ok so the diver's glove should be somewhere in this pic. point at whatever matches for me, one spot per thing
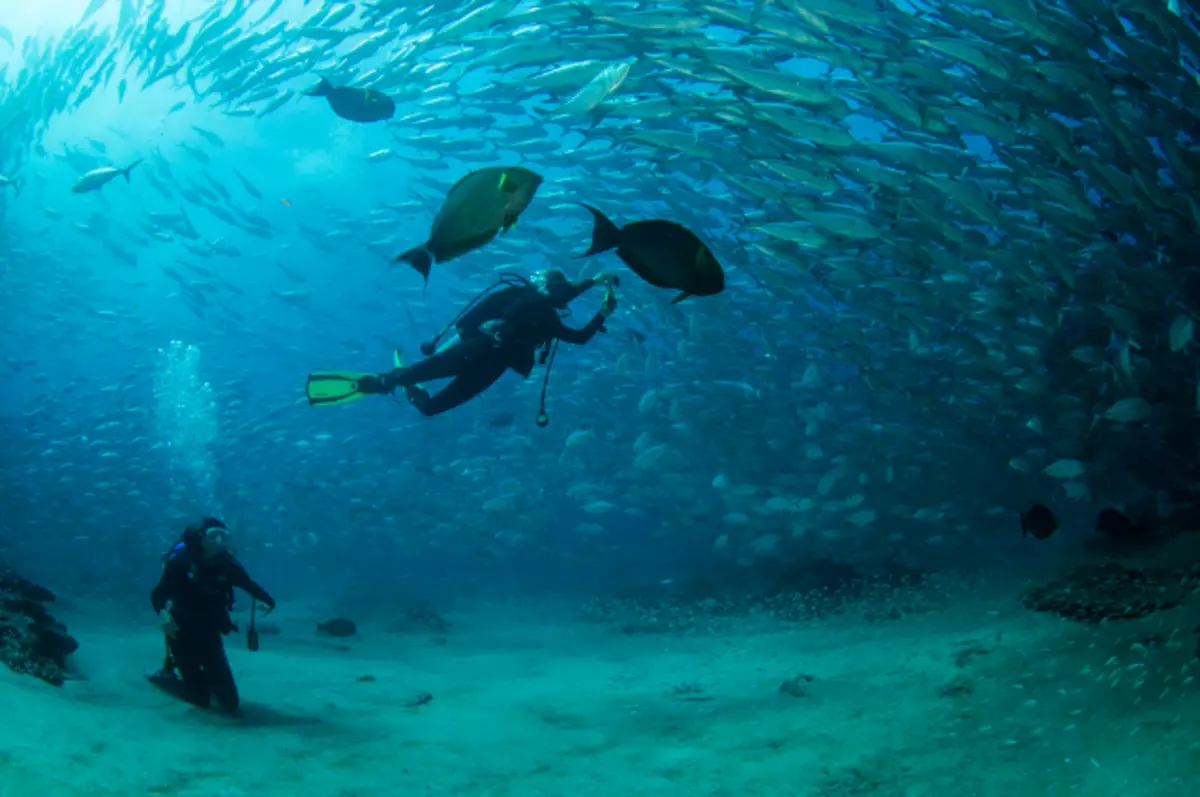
(372, 385)
(266, 608)
(611, 280)
(610, 303)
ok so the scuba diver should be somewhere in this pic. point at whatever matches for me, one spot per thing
(193, 599)
(502, 328)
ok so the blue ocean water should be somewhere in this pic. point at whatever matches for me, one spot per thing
(772, 540)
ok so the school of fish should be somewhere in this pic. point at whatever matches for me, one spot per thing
(957, 242)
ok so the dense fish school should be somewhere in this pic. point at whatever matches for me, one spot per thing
(957, 240)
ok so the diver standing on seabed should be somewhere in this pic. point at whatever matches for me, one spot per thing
(193, 599)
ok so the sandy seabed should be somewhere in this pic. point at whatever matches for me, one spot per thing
(966, 701)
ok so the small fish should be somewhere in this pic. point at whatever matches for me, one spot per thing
(209, 136)
(477, 207)
(1181, 333)
(251, 189)
(92, 8)
(355, 105)
(98, 178)
(338, 627)
(1130, 410)
(296, 277)
(502, 419)
(1064, 469)
(663, 253)
(1039, 522)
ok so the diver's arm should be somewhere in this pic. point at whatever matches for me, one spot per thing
(575, 291)
(578, 337)
(239, 578)
(163, 590)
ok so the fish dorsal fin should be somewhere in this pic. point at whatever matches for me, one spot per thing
(462, 181)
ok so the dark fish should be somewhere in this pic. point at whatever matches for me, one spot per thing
(502, 419)
(1039, 521)
(477, 207)
(339, 627)
(1117, 526)
(663, 253)
(356, 105)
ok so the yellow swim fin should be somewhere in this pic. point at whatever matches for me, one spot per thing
(397, 359)
(503, 181)
(333, 387)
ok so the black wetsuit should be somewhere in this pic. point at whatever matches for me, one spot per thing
(200, 590)
(504, 330)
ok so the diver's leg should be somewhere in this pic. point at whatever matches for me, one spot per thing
(186, 650)
(442, 365)
(220, 676)
(167, 671)
(477, 377)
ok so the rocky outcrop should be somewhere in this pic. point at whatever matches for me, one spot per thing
(31, 641)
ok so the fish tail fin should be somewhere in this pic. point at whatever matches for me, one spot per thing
(129, 168)
(605, 234)
(322, 89)
(419, 258)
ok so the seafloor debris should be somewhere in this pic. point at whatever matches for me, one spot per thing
(419, 699)
(791, 592)
(421, 616)
(31, 641)
(955, 688)
(797, 687)
(1095, 593)
(687, 688)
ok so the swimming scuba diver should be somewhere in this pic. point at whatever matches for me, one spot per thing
(502, 328)
(193, 599)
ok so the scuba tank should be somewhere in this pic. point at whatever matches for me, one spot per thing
(507, 280)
